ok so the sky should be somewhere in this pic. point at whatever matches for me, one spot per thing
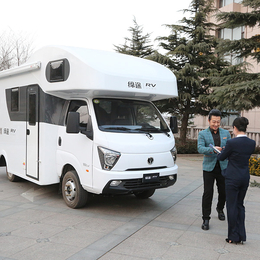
(94, 24)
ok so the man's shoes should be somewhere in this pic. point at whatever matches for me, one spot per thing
(205, 224)
(221, 215)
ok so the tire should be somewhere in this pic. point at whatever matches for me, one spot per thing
(73, 193)
(11, 177)
(144, 194)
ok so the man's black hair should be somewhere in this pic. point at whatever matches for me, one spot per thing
(214, 112)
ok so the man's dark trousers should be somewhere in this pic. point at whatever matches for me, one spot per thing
(209, 179)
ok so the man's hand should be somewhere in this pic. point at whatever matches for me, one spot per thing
(219, 148)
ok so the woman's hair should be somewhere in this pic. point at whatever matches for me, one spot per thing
(241, 123)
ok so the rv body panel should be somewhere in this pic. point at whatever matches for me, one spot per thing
(76, 150)
(101, 73)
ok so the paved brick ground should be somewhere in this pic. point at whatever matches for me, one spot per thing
(35, 223)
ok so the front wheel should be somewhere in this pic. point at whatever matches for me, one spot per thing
(11, 177)
(144, 194)
(73, 193)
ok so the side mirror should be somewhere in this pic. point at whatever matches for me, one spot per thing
(73, 123)
(174, 124)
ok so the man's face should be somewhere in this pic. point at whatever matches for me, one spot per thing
(214, 122)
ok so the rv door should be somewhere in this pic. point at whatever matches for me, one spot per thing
(32, 132)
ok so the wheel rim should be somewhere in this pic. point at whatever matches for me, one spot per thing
(70, 190)
(10, 175)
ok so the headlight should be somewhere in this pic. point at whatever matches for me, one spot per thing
(174, 153)
(108, 158)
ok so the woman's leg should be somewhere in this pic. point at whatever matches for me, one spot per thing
(232, 191)
(241, 210)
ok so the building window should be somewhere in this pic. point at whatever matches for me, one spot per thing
(227, 2)
(228, 120)
(232, 34)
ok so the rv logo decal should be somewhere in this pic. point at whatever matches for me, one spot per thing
(133, 84)
(7, 131)
(150, 85)
(136, 84)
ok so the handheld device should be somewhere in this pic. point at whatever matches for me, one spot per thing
(214, 148)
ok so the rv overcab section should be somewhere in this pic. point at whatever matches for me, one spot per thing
(85, 119)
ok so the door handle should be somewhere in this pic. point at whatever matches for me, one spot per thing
(28, 131)
(59, 141)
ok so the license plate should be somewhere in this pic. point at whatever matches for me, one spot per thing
(151, 177)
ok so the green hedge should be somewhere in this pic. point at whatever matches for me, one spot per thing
(190, 147)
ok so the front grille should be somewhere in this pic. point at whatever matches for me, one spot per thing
(133, 184)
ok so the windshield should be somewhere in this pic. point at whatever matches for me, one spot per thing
(119, 115)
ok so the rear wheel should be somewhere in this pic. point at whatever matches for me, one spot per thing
(73, 193)
(144, 194)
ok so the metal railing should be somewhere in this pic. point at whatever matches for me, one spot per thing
(192, 133)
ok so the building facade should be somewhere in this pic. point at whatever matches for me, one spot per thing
(235, 34)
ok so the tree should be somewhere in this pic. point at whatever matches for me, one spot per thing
(14, 50)
(138, 45)
(190, 55)
(240, 91)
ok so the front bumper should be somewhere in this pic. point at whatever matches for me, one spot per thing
(129, 186)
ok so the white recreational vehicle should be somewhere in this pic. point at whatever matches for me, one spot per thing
(84, 119)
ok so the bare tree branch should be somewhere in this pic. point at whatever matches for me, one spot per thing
(15, 49)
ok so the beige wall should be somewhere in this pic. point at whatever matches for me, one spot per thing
(254, 119)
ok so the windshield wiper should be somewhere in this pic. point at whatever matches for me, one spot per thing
(126, 129)
(164, 131)
(149, 130)
(118, 128)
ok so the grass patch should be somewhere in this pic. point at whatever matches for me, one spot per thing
(255, 184)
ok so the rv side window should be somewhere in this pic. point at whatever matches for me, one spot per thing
(32, 109)
(82, 108)
(57, 70)
(15, 99)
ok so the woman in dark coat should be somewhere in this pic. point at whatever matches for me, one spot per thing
(238, 151)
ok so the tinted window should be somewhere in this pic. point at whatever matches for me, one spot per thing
(57, 70)
(15, 99)
(32, 109)
(82, 108)
(128, 116)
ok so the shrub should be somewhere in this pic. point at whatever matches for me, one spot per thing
(254, 166)
(190, 147)
(255, 184)
(257, 150)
